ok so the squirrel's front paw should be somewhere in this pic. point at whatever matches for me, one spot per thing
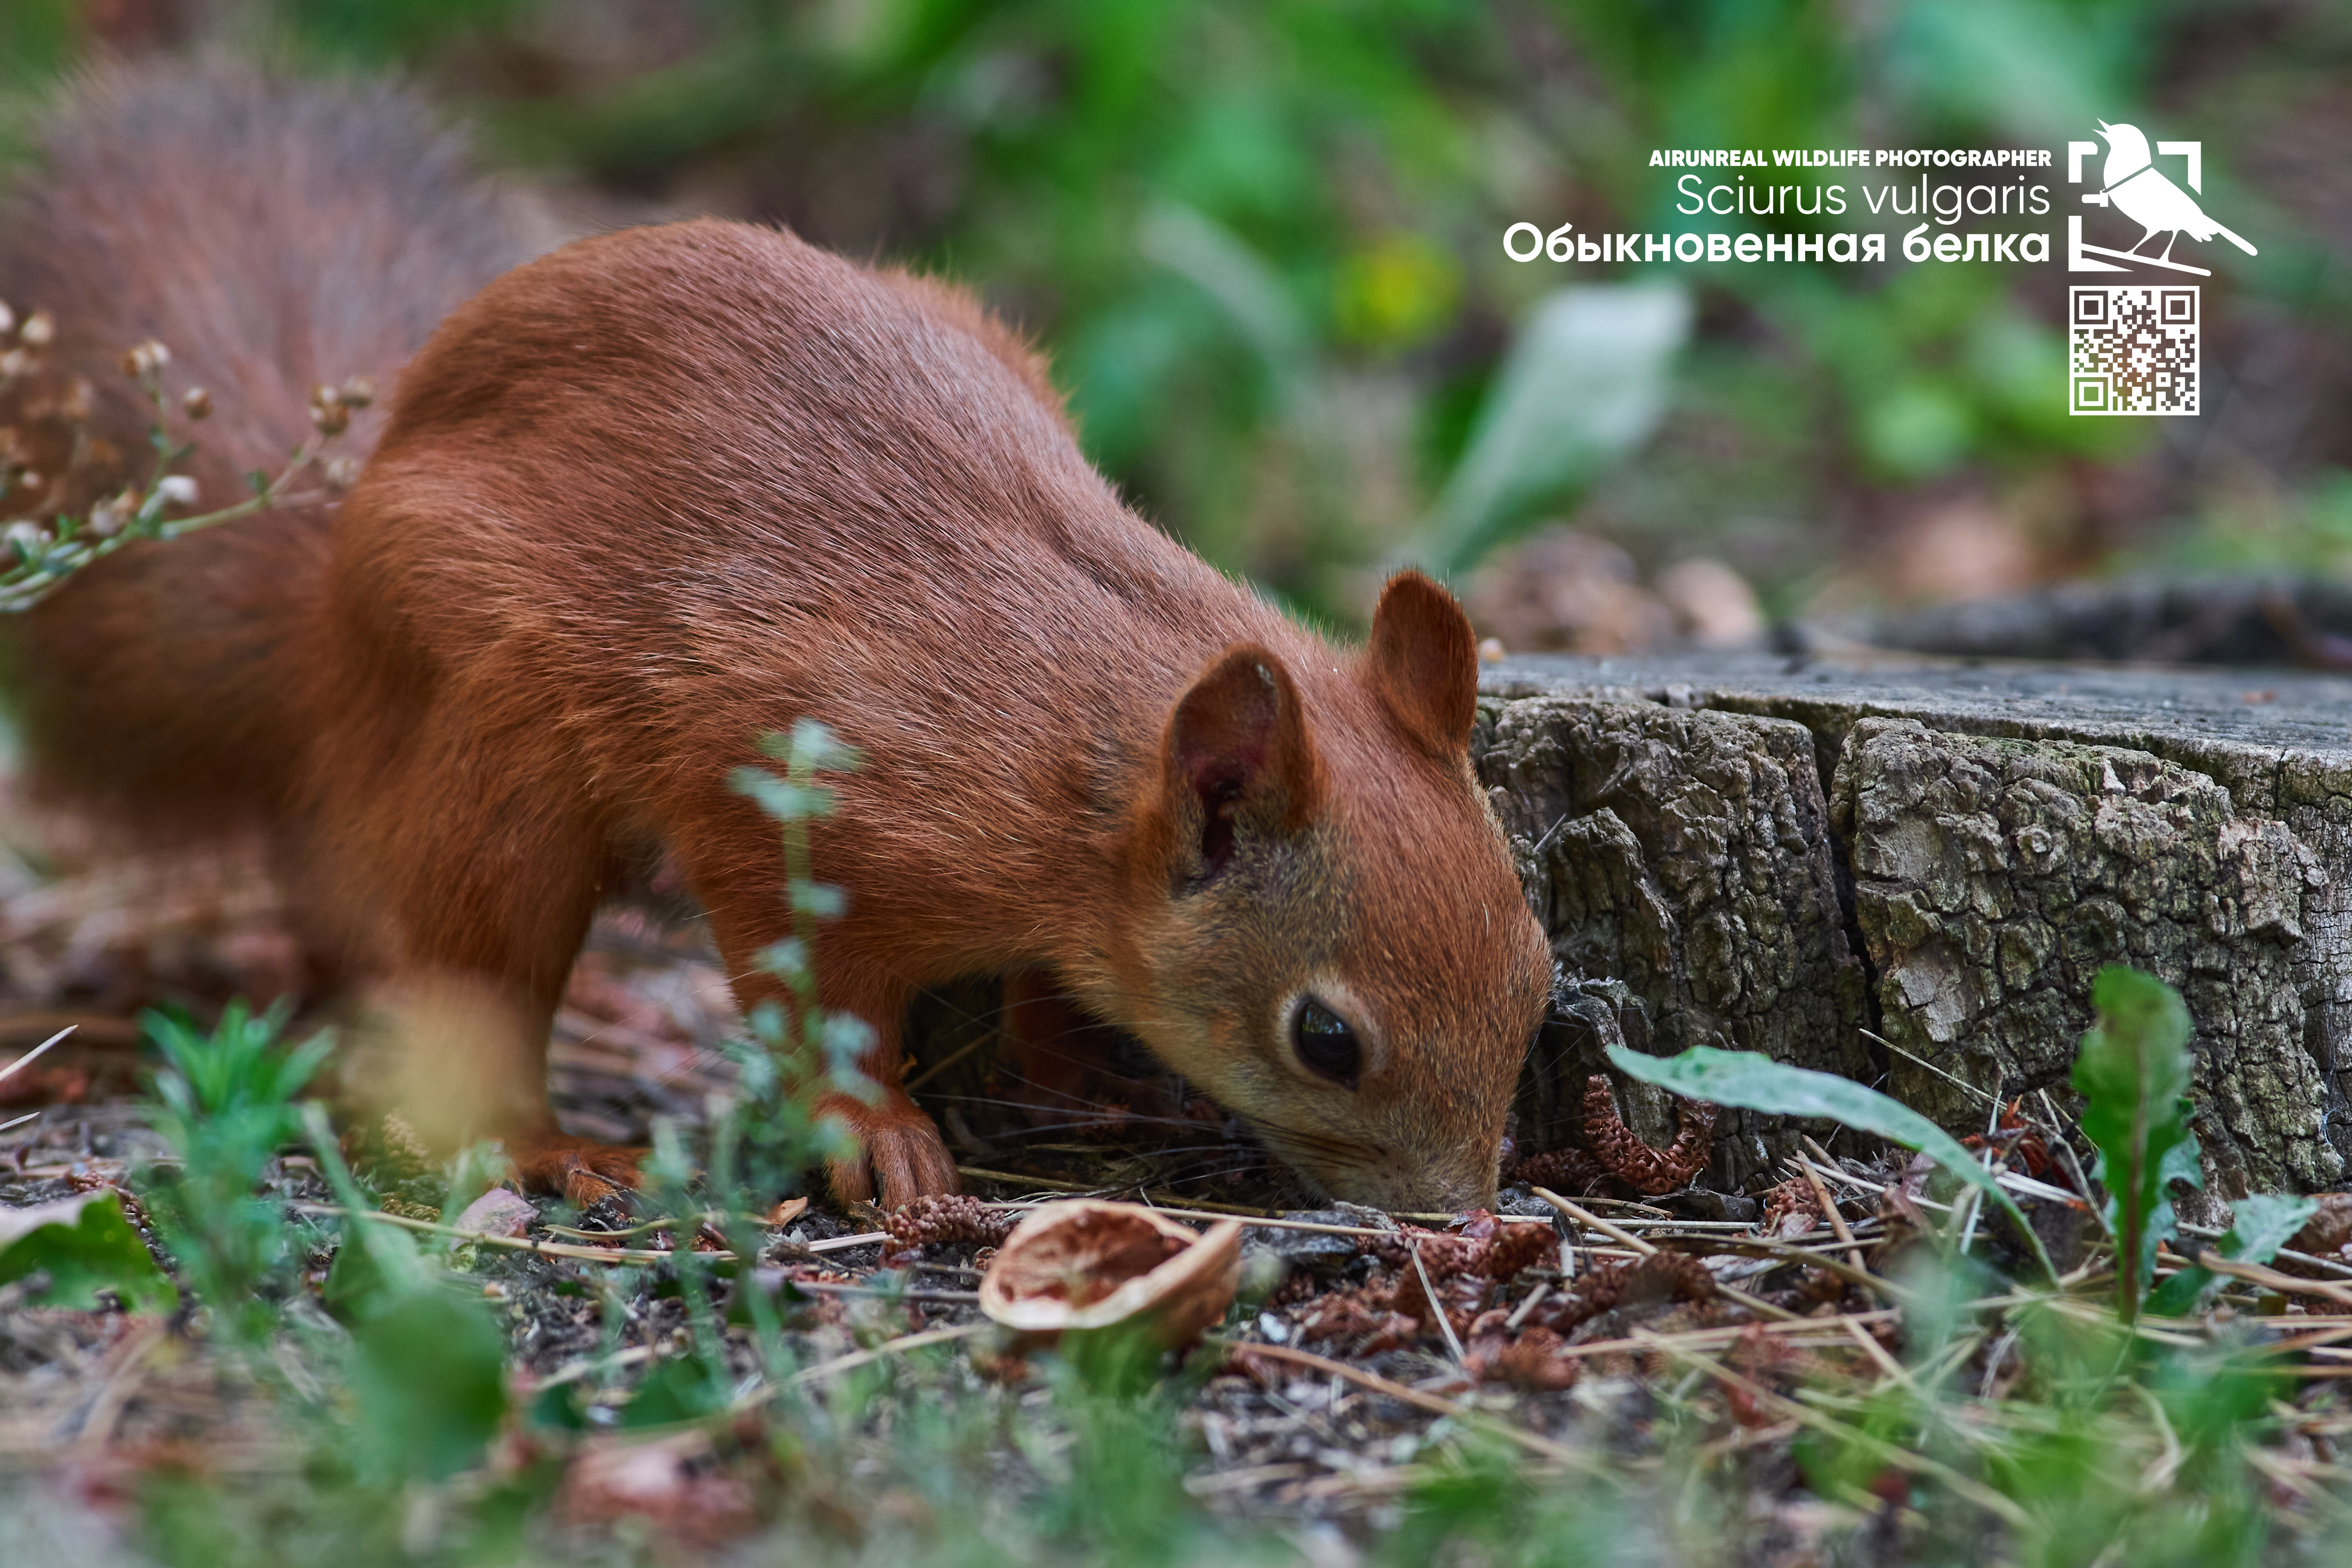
(902, 1153)
(582, 1170)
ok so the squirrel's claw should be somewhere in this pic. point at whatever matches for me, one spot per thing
(584, 1171)
(902, 1153)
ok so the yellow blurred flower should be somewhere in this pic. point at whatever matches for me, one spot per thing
(1395, 292)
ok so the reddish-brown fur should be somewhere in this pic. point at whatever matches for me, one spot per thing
(652, 495)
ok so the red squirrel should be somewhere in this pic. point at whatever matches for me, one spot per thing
(658, 492)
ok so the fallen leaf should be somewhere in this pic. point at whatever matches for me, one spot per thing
(499, 1212)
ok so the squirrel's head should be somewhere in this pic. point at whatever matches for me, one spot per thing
(1331, 940)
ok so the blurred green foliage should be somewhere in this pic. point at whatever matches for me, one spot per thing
(227, 1102)
(1263, 236)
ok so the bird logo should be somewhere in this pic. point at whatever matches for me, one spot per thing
(2133, 186)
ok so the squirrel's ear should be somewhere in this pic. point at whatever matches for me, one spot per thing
(1237, 755)
(1425, 662)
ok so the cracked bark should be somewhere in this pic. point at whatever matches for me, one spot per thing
(1738, 852)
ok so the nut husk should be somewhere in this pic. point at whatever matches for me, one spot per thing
(1085, 1264)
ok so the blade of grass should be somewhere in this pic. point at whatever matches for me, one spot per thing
(1886, 1453)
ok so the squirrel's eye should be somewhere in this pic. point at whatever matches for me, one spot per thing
(1325, 1044)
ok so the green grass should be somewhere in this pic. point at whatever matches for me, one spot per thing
(358, 1404)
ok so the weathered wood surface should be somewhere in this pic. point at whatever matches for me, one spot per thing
(1774, 854)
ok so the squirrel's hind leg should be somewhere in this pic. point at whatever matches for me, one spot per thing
(464, 908)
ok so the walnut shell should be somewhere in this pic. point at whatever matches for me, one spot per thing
(1085, 1264)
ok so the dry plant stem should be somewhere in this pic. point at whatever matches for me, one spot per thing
(1878, 1188)
(1741, 1439)
(1626, 1238)
(1828, 1328)
(2272, 1279)
(716, 1218)
(2336, 1265)
(2318, 1340)
(1993, 1358)
(1312, 1226)
(1259, 1218)
(1096, 1189)
(1543, 1289)
(2284, 1473)
(1176, 1208)
(27, 1059)
(1592, 1221)
(1246, 1478)
(1993, 1100)
(1829, 1204)
(840, 1363)
(2065, 1150)
(1437, 1308)
(1994, 1168)
(558, 1250)
(2158, 1474)
(592, 1365)
(1758, 1245)
(1887, 1453)
(1431, 1403)
(776, 1279)
(1877, 1354)
(2104, 1317)
(1357, 1483)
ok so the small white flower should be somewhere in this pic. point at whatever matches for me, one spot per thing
(107, 518)
(179, 489)
(24, 537)
(140, 359)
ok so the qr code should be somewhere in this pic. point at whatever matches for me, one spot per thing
(2132, 351)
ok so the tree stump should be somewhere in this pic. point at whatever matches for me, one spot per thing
(1908, 871)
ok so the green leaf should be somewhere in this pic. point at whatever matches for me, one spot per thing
(378, 1263)
(430, 1382)
(239, 1067)
(373, 1268)
(2133, 1075)
(1754, 1082)
(1248, 291)
(1584, 383)
(560, 1407)
(679, 1390)
(85, 1246)
(2265, 1222)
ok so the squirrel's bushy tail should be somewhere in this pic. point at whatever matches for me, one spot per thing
(273, 235)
